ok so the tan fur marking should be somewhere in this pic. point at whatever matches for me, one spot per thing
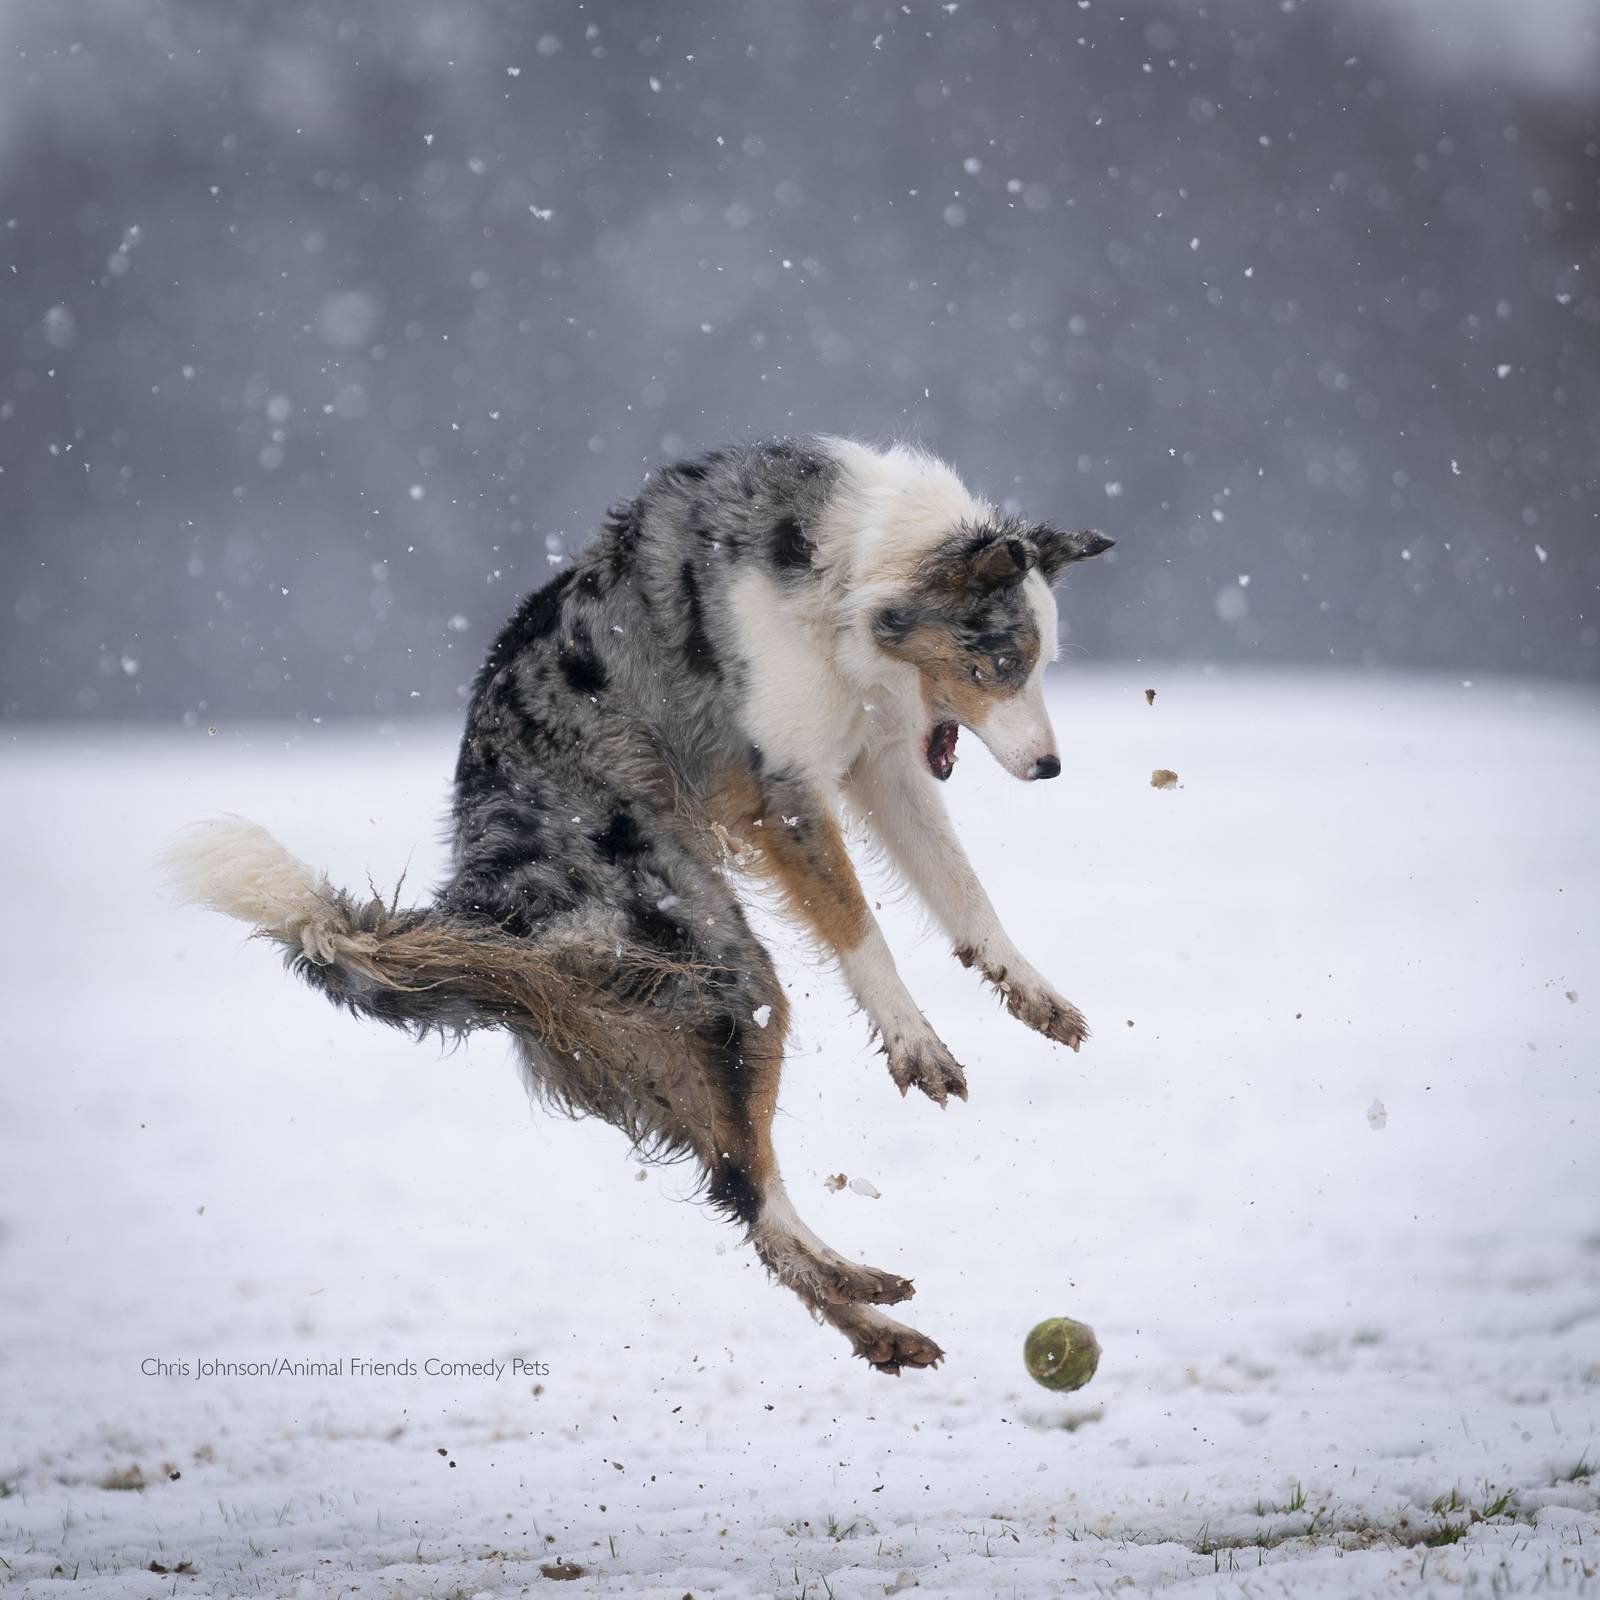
(948, 688)
(816, 875)
(809, 863)
(761, 1101)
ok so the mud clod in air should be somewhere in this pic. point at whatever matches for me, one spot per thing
(1163, 778)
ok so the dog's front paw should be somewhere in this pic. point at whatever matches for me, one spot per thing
(924, 1060)
(1031, 1000)
(1043, 1010)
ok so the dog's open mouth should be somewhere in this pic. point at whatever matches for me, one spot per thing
(942, 750)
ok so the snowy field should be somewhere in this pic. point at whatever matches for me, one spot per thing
(1325, 1181)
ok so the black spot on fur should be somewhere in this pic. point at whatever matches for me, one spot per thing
(697, 646)
(996, 641)
(476, 763)
(894, 625)
(789, 548)
(512, 900)
(621, 838)
(580, 666)
(733, 1194)
(721, 1039)
(652, 927)
(499, 861)
(695, 468)
(536, 618)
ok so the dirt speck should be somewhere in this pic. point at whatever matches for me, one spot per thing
(561, 1571)
(1163, 778)
(1149, 697)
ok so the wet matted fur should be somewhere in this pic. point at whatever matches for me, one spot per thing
(765, 637)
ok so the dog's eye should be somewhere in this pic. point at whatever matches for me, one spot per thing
(1003, 664)
(977, 674)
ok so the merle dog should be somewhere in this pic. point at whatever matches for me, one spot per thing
(766, 637)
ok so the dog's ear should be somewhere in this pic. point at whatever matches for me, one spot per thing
(1000, 562)
(976, 562)
(1057, 549)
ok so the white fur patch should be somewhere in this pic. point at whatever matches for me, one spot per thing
(798, 710)
(238, 868)
(880, 991)
(890, 508)
(822, 690)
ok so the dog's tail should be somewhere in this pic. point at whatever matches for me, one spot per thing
(421, 969)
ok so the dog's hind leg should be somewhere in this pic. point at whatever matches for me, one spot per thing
(839, 1292)
(739, 1064)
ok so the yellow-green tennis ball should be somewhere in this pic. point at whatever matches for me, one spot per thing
(1061, 1353)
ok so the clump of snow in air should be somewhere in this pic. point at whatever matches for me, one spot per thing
(862, 1186)
(1377, 1116)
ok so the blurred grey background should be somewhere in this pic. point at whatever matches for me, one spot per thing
(328, 328)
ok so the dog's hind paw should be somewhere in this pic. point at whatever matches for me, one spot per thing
(882, 1343)
(846, 1281)
(927, 1064)
(898, 1346)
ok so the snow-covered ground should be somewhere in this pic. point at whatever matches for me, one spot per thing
(1340, 1359)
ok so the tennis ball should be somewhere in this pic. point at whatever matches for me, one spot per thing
(1061, 1353)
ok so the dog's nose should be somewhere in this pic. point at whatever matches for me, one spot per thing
(1047, 767)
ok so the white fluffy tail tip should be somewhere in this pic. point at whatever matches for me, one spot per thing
(239, 869)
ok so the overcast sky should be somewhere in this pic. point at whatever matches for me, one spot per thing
(329, 329)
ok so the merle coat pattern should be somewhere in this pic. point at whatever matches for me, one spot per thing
(764, 637)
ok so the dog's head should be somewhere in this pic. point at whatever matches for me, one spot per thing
(977, 620)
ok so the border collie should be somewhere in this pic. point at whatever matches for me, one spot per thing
(767, 637)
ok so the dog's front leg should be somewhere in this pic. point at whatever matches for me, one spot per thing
(799, 835)
(900, 804)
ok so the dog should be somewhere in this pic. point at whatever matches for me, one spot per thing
(766, 638)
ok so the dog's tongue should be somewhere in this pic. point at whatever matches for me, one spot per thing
(942, 750)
